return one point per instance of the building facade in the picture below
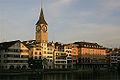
(91, 55)
(13, 55)
(35, 54)
(75, 52)
(60, 60)
(115, 59)
(68, 50)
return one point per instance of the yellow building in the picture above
(35, 54)
(48, 63)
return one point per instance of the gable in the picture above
(15, 46)
(23, 47)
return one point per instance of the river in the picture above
(68, 76)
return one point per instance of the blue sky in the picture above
(68, 20)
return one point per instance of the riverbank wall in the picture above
(39, 72)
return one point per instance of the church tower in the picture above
(41, 29)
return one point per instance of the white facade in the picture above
(13, 57)
(60, 60)
(68, 50)
(115, 59)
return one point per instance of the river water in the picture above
(68, 76)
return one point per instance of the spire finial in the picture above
(41, 4)
(41, 18)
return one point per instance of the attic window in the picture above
(18, 44)
(1, 45)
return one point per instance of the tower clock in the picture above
(41, 29)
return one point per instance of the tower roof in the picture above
(41, 18)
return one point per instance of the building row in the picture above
(33, 55)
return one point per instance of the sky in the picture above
(68, 20)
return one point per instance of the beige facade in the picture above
(35, 53)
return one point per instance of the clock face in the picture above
(44, 28)
(38, 29)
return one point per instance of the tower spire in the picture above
(41, 18)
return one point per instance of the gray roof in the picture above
(6, 45)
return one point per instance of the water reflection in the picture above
(67, 76)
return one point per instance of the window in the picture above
(50, 60)
(35, 57)
(18, 44)
(63, 53)
(70, 55)
(75, 61)
(5, 61)
(49, 56)
(35, 53)
(44, 52)
(74, 52)
(39, 57)
(17, 56)
(5, 56)
(24, 56)
(32, 53)
(44, 44)
(74, 49)
(82, 53)
(39, 53)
